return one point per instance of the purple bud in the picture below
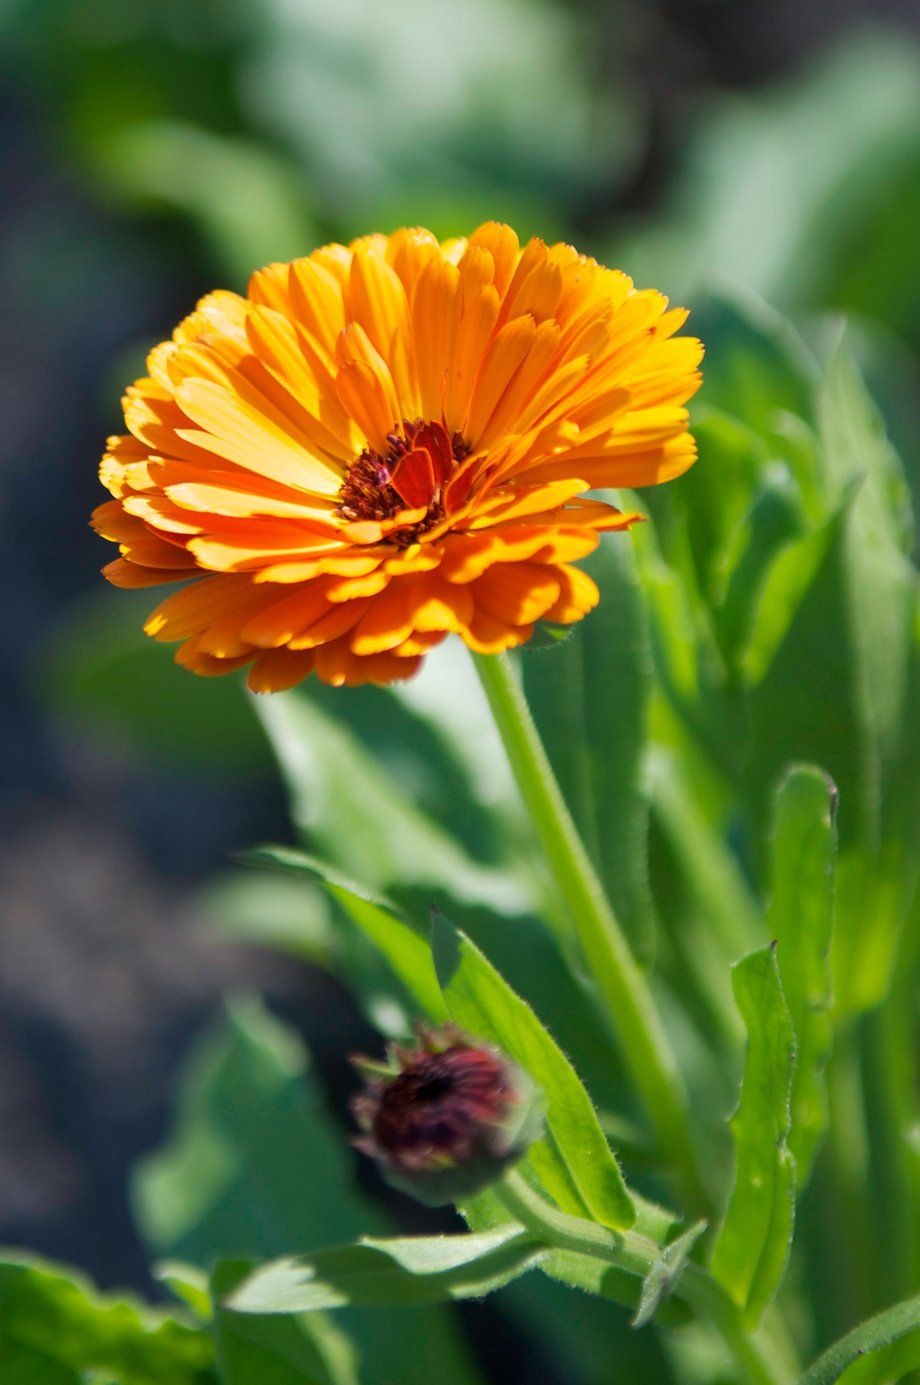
(445, 1117)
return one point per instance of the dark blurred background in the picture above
(151, 151)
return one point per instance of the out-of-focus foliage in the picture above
(256, 1169)
(807, 193)
(261, 121)
(56, 1330)
(767, 616)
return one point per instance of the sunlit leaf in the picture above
(297, 1349)
(376, 1272)
(406, 948)
(574, 1159)
(356, 814)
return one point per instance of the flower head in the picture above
(387, 442)
(445, 1118)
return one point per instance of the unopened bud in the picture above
(446, 1117)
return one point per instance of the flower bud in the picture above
(444, 1118)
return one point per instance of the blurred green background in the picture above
(155, 150)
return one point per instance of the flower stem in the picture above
(637, 1028)
(635, 1254)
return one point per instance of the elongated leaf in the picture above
(575, 1158)
(405, 947)
(357, 816)
(877, 573)
(879, 585)
(56, 1326)
(800, 918)
(406, 1270)
(664, 1274)
(257, 1169)
(589, 698)
(773, 519)
(286, 914)
(753, 1245)
(711, 875)
(246, 200)
(538, 970)
(876, 1332)
(297, 1349)
(434, 736)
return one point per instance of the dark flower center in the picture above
(417, 472)
(443, 1103)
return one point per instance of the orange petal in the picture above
(517, 593)
(578, 595)
(279, 669)
(502, 359)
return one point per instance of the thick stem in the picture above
(636, 1026)
(635, 1254)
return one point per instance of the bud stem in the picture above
(630, 1008)
(761, 1361)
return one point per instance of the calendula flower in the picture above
(388, 442)
(446, 1117)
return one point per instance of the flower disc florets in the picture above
(445, 1118)
(384, 443)
(418, 469)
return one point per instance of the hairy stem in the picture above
(635, 1254)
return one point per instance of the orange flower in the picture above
(383, 444)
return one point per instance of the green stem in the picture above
(635, 1254)
(858, 1274)
(632, 1013)
(887, 1042)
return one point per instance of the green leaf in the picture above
(752, 1248)
(248, 202)
(880, 587)
(400, 1270)
(406, 948)
(773, 519)
(298, 1349)
(589, 699)
(878, 573)
(188, 1283)
(876, 1332)
(574, 1161)
(54, 1324)
(256, 1169)
(847, 128)
(757, 366)
(711, 876)
(102, 670)
(663, 1277)
(433, 736)
(800, 917)
(280, 912)
(789, 713)
(355, 814)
